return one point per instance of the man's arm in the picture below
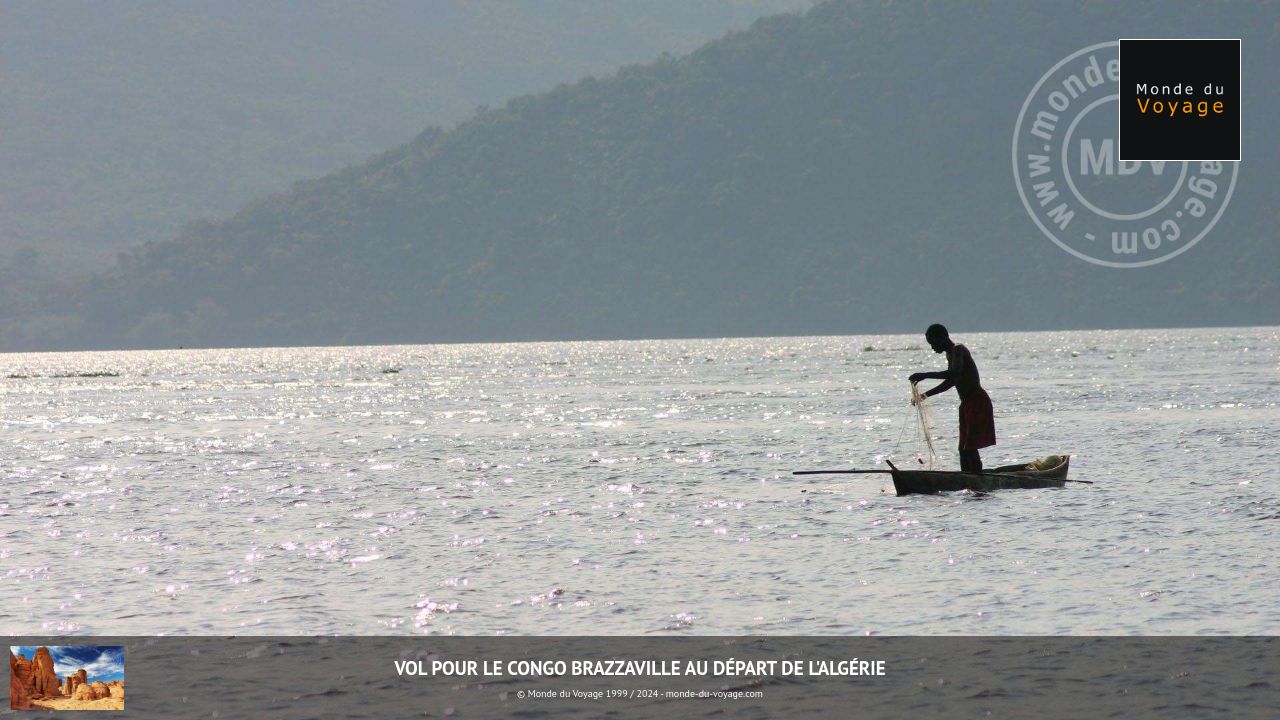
(942, 387)
(955, 363)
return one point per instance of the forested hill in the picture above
(842, 171)
(119, 122)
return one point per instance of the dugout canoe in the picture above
(1007, 477)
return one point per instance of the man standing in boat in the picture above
(977, 419)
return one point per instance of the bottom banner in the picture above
(640, 677)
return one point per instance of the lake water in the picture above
(637, 488)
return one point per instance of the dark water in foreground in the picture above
(636, 488)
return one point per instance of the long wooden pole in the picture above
(839, 472)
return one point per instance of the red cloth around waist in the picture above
(977, 421)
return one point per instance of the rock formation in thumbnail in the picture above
(44, 681)
(19, 698)
(73, 681)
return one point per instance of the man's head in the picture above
(938, 338)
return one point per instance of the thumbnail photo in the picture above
(67, 677)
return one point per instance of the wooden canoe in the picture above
(1007, 477)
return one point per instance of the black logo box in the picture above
(1186, 67)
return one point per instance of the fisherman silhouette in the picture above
(977, 419)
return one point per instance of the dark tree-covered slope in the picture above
(123, 121)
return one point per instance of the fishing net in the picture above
(925, 454)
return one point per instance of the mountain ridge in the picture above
(123, 123)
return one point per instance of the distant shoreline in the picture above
(918, 332)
